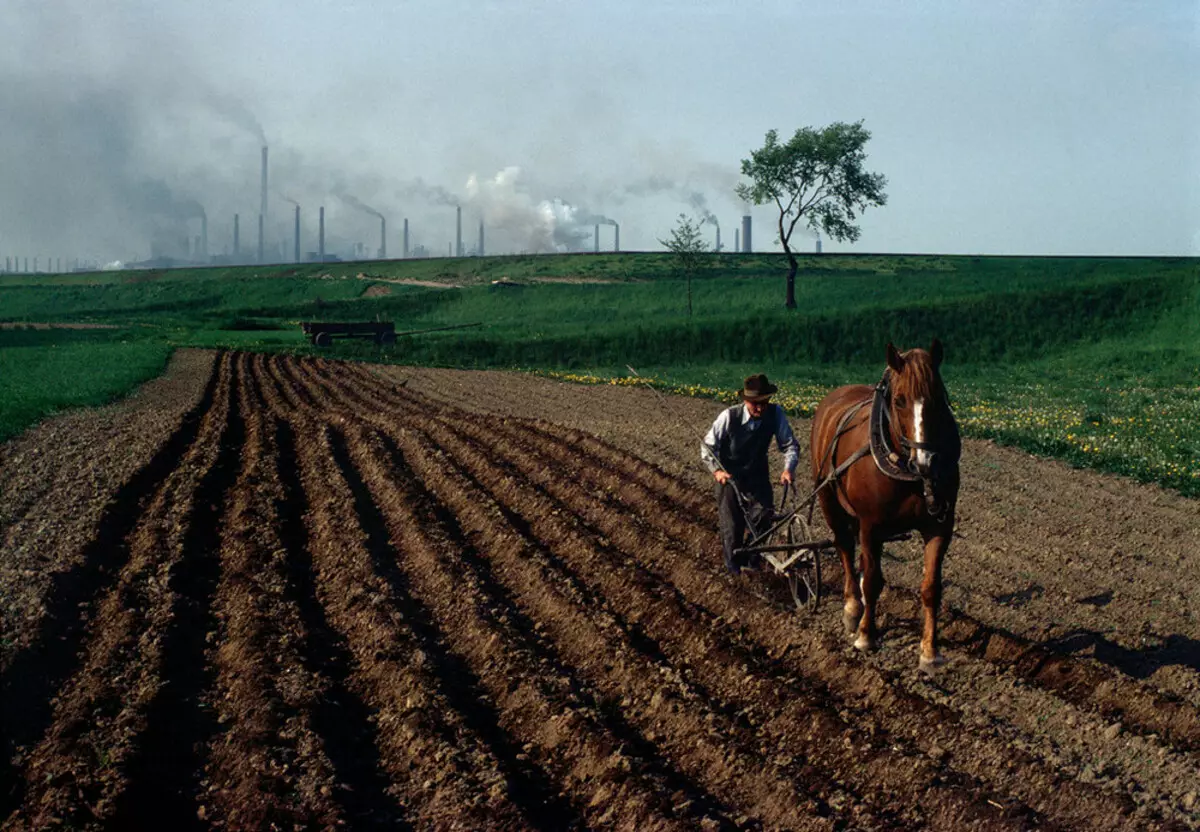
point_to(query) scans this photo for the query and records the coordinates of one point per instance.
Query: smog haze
(134, 129)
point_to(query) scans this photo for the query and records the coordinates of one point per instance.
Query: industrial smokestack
(746, 234)
(237, 238)
(718, 248)
(204, 236)
(382, 238)
(737, 239)
(818, 245)
(481, 236)
(458, 236)
(616, 237)
(297, 233)
(596, 245)
(263, 208)
(406, 238)
(321, 236)
(260, 238)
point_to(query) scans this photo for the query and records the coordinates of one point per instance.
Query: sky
(1042, 128)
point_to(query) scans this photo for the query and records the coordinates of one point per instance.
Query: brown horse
(911, 482)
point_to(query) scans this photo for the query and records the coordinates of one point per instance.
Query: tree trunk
(791, 278)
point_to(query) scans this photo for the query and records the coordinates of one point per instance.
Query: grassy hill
(1093, 359)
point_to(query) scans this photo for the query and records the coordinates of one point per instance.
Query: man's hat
(757, 389)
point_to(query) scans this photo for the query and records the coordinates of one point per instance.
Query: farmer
(735, 450)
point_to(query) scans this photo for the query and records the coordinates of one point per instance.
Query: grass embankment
(1091, 359)
(44, 371)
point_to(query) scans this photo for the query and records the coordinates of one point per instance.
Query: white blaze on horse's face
(923, 458)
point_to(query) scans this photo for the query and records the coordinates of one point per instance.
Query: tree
(818, 177)
(689, 249)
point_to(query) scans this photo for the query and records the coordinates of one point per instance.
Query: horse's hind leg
(931, 596)
(872, 586)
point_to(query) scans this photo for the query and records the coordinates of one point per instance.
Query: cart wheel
(322, 339)
(804, 576)
(385, 339)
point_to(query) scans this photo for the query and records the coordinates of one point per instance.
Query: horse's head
(920, 408)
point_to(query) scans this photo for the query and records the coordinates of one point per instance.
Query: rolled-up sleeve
(786, 441)
(716, 434)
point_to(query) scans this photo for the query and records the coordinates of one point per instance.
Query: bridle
(899, 466)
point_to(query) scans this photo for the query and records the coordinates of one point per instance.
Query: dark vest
(743, 451)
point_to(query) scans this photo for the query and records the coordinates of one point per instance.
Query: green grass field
(45, 371)
(1094, 360)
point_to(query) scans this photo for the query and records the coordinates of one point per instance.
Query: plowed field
(281, 593)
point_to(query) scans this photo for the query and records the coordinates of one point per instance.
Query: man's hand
(721, 476)
(786, 478)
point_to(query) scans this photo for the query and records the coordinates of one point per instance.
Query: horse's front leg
(937, 541)
(872, 585)
(852, 608)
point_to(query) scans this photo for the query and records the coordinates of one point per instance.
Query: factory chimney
(204, 237)
(263, 208)
(458, 235)
(616, 237)
(818, 245)
(406, 238)
(718, 248)
(321, 236)
(746, 234)
(382, 238)
(596, 245)
(297, 233)
(481, 236)
(237, 240)
(260, 238)
(737, 240)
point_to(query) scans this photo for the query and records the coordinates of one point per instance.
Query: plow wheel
(804, 576)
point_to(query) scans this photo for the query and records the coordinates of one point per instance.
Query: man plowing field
(735, 450)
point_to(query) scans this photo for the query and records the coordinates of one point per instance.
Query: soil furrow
(165, 772)
(340, 717)
(528, 785)
(266, 769)
(597, 757)
(33, 675)
(441, 773)
(77, 771)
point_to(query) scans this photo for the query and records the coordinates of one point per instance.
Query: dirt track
(307, 594)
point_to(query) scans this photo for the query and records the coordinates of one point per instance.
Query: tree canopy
(817, 176)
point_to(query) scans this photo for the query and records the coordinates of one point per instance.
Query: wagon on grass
(322, 333)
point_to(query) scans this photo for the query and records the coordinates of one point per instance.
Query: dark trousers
(759, 501)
